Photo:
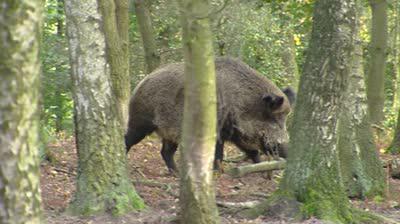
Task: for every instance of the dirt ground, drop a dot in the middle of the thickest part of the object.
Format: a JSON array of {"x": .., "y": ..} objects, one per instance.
[{"x": 160, "y": 190}]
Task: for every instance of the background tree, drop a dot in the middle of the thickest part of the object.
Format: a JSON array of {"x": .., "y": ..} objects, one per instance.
[
  {"x": 376, "y": 70},
  {"x": 199, "y": 120},
  {"x": 116, "y": 25},
  {"x": 143, "y": 19},
  {"x": 103, "y": 183},
  {"x": 395, "y": 145},
  {"x": 19, "y": 93},
  {"x": 361, "y": 169}
]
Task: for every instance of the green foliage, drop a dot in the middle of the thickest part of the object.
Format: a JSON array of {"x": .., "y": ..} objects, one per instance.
[{"x": 57, "y": 104}]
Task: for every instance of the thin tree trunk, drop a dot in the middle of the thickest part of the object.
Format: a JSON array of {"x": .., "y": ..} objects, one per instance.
[
  {"x": 146, "y": 31},
  {"x": 361, "y": 169},
  {"x": 115, "y": 25},
  {"x": 394, "y": 148},
  {"x": 20, "y": 24},
  {"x": 396, "y": 58},
  {"x": 289, "y": 59},
  {"x": 59, "y": 103},
  {"x": 197, "y": 199},
  {"x": 103, "y": 183},
  {"x": 376, "y": 73}
]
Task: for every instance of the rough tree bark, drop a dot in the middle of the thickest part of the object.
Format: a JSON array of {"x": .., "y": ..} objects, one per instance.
[
  {"x": 362, "y": 171},
  {"x": 376, "y": 72},
  {"x": 146, "y": 31},
  {"x": 197, "y": 199},
  {"x": 394, "y": 147},
  {"x": 311, "y": 185},
  {"x": 20, "y": 24},
  {"x": 103, "y": 184},
  {"x": 115, "y": 23}
]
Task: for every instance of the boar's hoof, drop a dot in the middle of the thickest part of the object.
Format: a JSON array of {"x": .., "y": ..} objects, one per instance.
[{"x": 218, "y": 166}]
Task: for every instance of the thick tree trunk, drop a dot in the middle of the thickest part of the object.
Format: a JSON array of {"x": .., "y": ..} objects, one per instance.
[
  {"x": 361, "y": 169},
  {"x": 102, "y": 183},
  {"x": 146, "y": 31},
  {"x": 395, "y": 146},
  {"x": 312, "y": 176},
  {"x": 197, "y": 199},
  {"x": 376, "y": 73},
  {"x": 20, "y": 24},
  {"x": 115, "y": 23}
]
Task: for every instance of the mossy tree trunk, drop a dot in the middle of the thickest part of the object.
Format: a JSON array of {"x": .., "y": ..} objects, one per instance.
[
  {"x": 103, "y": 183},
  {"x": 394, "y": 147},
  {"x": 143, "y": 17},
  {"x": 20, "y": 24},
  {"x": 376, "y": 71},
  {"x": 361, "y": 169},
  {"x": 312, "y": 176},
  {"x": 115, "y": 23},
  {"x": 197, "y": 197}
]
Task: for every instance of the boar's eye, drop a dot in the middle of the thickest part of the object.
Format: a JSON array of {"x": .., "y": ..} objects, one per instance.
[{"x": 272, "y": 101}]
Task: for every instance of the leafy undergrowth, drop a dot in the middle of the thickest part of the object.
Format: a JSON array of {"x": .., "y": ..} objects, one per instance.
[{"x": 160, "y": 190}]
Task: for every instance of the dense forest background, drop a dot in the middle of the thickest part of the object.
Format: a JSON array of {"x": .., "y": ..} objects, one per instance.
[{"x": 341, "y": 57}]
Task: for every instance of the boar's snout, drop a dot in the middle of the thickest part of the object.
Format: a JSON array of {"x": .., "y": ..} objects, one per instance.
[{"x": 276, "y": 149}]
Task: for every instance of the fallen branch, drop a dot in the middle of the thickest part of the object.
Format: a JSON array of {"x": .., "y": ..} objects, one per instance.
[
  {"x": 246, "y": 204},
  {"x": 258, "y": 167}
]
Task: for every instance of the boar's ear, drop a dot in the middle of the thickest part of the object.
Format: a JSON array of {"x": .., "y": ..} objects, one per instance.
[
  {"x": 291, "y": 95},
  {"x": 272, "y": 101}
]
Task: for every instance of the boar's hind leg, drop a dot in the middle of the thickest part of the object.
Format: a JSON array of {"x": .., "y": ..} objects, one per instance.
[
  {"x": 167, "y": 152},
  {"x": 219, "y": 155}
]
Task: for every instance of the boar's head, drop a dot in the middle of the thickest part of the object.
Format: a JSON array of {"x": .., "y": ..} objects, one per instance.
[{"x": 263, "y": 125}]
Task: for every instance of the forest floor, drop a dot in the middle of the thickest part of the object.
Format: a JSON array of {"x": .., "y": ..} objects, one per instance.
[{"x": 160, "y": 190}]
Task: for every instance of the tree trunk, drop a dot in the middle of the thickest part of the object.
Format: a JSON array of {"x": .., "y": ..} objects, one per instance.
[
  {"x": 197, "y": 199},
  {"x": 361, "y": 169},
  {"x": 376, "y": 73},
  {"x": 20, "y": 25},
  {"x": 289, "y": 59},
  {"x": 312, "y": 176},
  {"x": 395, "y": 146},
  {"x": 115, "y": 24},
  {"x": 146, "y": 31},
  {"x": 59, "y": 103},
  {"x": 288, "y": 54},
  {"x": 396, "y": 58},
  {"x": 102, "y": 184}
]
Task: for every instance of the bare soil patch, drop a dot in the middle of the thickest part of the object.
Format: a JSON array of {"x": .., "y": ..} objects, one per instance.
[{"x": 160, "y": 190}]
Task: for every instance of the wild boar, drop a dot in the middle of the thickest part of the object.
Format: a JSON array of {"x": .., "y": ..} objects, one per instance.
[{"x": 251, "y": 110}]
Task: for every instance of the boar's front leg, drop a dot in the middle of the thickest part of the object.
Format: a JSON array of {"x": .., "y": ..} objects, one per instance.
[
  {"x": 167, "y": 152},
  {"x": 219, "y": 155},
  {"x": 254, "y": 155}
]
